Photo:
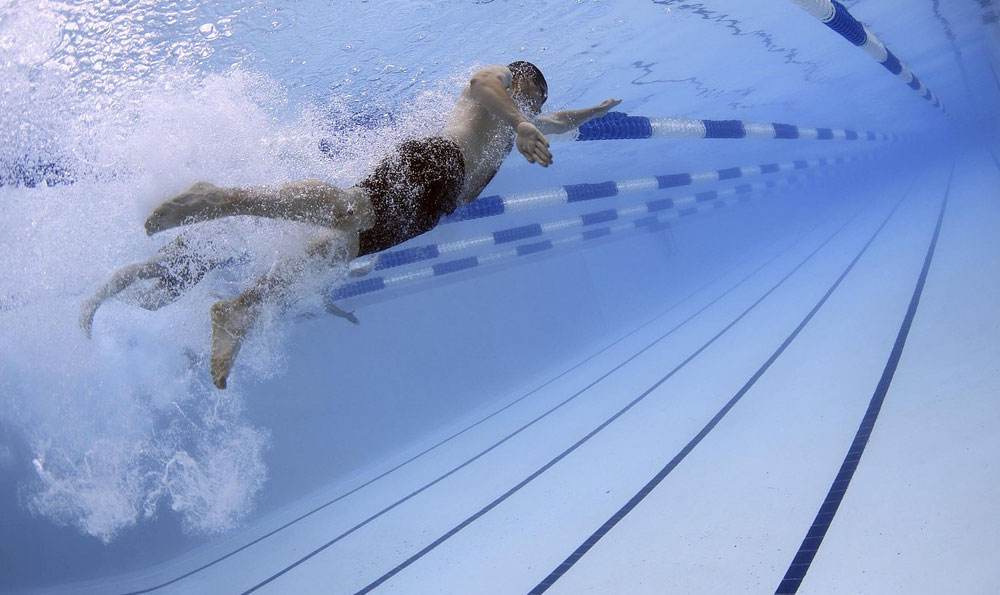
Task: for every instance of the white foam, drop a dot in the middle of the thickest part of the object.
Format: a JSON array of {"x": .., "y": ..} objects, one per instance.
[{"x": 127, "y": 425}]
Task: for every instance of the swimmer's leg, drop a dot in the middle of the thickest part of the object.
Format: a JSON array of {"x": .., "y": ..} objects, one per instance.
[
  {"x": 233, "y": 319},
  {"x": 308, "y": 201},
  {"x": 120, "y": 280},
  {"x": 155, "y": 297}
]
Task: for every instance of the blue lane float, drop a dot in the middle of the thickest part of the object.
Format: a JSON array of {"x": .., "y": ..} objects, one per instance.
[
  {"x": 404, "y": 256},
  {"x": 705, "y": 202},
  {"x": 836, "y": 16},
  {"x": 620, "y": 126},
  {"x": 492, "y": 206}
]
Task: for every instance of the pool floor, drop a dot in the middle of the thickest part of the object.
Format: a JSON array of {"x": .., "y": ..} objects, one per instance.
[{"x": 694, "y": 455}]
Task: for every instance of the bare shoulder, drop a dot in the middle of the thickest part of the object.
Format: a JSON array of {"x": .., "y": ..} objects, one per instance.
[{"x": 495, "y": 71}]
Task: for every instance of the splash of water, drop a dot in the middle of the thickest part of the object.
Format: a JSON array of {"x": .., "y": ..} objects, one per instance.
[{"x": 127, "y": 425}]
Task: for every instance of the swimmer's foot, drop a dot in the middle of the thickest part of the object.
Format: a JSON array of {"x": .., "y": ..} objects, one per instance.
[
  {"x": 200, "y": 202},
  {"x": 87, "y": 311},
  {"x": 231, "y": 321}
]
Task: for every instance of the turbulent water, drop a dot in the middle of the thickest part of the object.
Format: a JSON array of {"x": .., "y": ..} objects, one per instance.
[{"x": 127, "y": 423}]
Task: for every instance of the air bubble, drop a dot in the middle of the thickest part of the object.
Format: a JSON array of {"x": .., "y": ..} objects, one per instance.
[{"x": 209, "y": 31}]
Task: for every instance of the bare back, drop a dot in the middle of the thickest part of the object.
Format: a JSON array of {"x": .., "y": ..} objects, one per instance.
[{"x": 484, "y": 139}]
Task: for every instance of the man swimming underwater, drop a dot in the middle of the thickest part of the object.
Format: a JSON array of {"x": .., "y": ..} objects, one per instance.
[{"x": 410, "y": 190}]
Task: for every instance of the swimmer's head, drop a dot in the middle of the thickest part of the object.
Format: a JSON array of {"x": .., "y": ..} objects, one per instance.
[{"x": 528, "y": 86}]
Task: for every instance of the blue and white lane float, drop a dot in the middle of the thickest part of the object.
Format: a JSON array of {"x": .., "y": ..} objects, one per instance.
[
  {"x": 618, "y": 125},
  {"x": 650, "y": 222},
  {"x": 491, "y": 206},
  {"x": 835, "y": 15},
  {"x": 404, "y": 256},
  {"x": 396, "y": 258}
]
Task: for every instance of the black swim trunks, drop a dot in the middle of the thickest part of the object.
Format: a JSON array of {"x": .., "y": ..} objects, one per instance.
[
  {"x": 410, "y": 190},
  {"x": 183, "y": 271}
]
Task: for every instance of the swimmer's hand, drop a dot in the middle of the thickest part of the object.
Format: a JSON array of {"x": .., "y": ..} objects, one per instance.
[
  {"x": 606, "y": 106},
  {"x": 566, "y": 120},
  {"x": 533, "y": 144}
]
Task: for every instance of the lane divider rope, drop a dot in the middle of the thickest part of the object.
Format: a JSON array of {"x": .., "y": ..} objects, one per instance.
[
  {"x": 620, "y": 126},
  {"x": 495, "y": 205},
  {"x": 577, "y": 193},
  {"x": 655, "y": 222},
  {"x": 835, "y": 15}
]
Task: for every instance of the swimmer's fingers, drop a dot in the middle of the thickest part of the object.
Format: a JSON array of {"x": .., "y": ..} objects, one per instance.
[
  {"x": 539, "y": 155},
  {"x": 533, "y": 145},
  {"x": 540, "y": 152},
  {"x": 606, "y": 106}
]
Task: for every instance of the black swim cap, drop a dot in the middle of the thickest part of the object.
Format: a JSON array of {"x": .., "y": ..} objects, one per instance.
[{"x": 522, "y": 68}]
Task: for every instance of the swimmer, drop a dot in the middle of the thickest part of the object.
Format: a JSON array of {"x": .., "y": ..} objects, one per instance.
[
  {"x": 406, "y": 195},
  {"x": 176, "y": 267}
]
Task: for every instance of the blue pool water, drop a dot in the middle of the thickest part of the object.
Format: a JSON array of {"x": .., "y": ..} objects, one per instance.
[{"x": 123, "y": 470}]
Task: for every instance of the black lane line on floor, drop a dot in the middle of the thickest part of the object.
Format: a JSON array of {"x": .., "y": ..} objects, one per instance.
[
  {"x": 680, "y": 456},
  {"x": 591, "y": 385},
  {"x": 553, "y": 409},
  {"x": 604, "y": 424},
  {"x": 481, "y": 421},
  {"x": 814, "y": 537},
  {"x": 488, "y": 417}
]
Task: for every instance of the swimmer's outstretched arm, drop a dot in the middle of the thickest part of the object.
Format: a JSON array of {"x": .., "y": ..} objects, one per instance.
[
  {"x": 122, "y": 278},
  {"x": 488, "y": 87},
  {"x": 564, "y": 121}
]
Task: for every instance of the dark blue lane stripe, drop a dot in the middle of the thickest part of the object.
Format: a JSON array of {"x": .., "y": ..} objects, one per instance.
[
  {"x": 395, "y": 258},
  {"x": 453, "y": 266},
  {"x": 680, "y": 456},
  {"x": 525, "y": 249},
  {"x": 408, "y": 497},
  {"x": 814, "y": 537},
  {"x": 483, "y": 420},
  {"x": 516, "y": 234},
  {"x": 593, "y": 234},
  {"x": 785, "y": 130},
  {"x": 607, "y": 422},
  {"x": 582, "y": 192},
  {"x": 844, "y": 23}
]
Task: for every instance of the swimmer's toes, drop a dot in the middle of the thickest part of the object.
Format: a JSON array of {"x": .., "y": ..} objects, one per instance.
[
  {"x": 154, "y": 223},
  {"x": 219, "y": 377},
  {"x": 197, "y": 203},
  {"x": 230, "y": 324},
  {"x": 167, "y": 215}
]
